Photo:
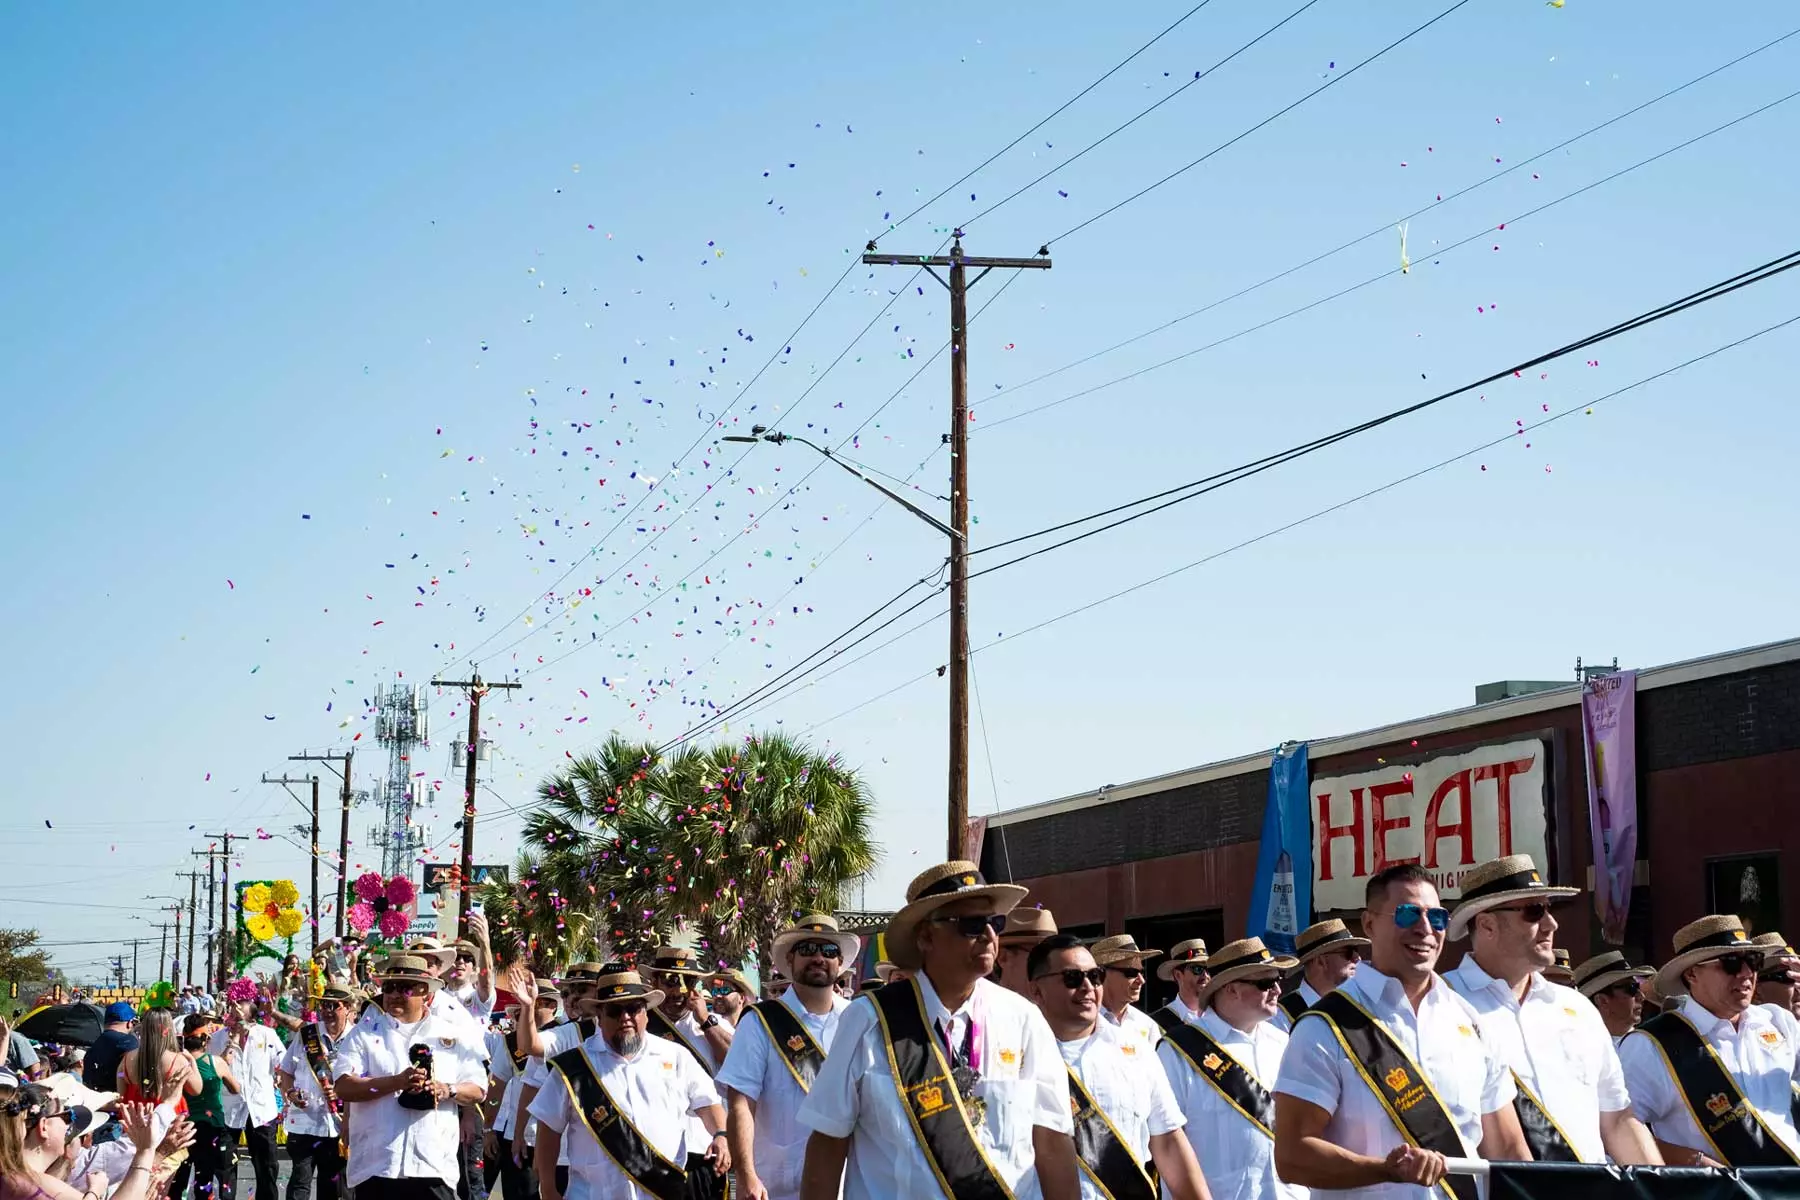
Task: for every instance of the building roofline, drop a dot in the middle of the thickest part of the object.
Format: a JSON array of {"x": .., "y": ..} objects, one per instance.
[{"x": 1668, "y": 675}]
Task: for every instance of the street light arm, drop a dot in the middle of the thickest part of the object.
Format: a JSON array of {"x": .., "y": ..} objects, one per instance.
[{"x": 890, "y": 493}]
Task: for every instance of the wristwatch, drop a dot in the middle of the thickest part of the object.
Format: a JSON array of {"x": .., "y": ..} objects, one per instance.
[{"x": 711, "y": 1020}]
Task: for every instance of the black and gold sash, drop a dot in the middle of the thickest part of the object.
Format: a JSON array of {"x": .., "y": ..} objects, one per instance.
[
  {"x": 662, "y": 1027},
  {"x": 1728, "y": 1121},
  {"x": 799, "y": 1052},
  {"x": 1545, "y": 1137},
  {"x": 1242, "y": 1090},
  {"x": 1293, "y": 1004},
  {"x": 622, "y": 1140},
  {"x": 1105, "y": 1157},
  {"x": 929, "y": 1096},
  {"x": 1403, "y": 1088}
]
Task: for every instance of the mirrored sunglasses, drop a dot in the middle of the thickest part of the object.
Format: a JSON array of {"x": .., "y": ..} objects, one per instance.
[
  {"x": 1408, "y": 915},
  {"x": 817, "y": 949}
]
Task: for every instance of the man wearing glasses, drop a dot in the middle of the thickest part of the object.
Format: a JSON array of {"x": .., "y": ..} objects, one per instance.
[
  {"x": 684, "y": 1020},
  {"x": 1352, "y": 1105},
  {"x": 508, "y": 1057},
  {"x": 1328, "y": 954},
  {"x": 946, "y": 1084},
  {"x": 1571, "y": 1099},
  {"x": 543, "y": 1040},
  {"x": 1221, "y": 1064},
  {"x": 470, "y": 976},
  {"x": 404, "y": 1137},
  {"x": 1775, "y": 983},
  {"x": 776, "y": 1054},
  {"x": 1124, "y": 963},
  {"x": 621, "y": 1100},
  {"x": 311, "y": 1120},
  {"x": 1616, "y": 990},
  {"x": 1713, "y": 1077},
  {"x": 1125, "y": 1115}
]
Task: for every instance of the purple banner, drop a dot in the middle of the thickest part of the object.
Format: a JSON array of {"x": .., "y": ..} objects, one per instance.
[{"x": 1609, "y": 731}]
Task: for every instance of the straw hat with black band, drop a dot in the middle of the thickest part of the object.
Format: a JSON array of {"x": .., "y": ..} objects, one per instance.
[
  {"x": 1120, "y": 950},
  {"x": 1026, "y": 926},
  {"x": 342, "y": 993},
  {"x": 582, "y": 972},
  {"x": 1701, "y": 941},
  {"x": 815, "y": 927},
  {"x": 1185, "y": 954},
  {"x": 1498, "y": 882},
  {"x": 1774, "y": 945},
  {"x": 934, "y": 888},
  {"x": 1604, "y": 970},
  {"x": 679, "y": 960},
  {"x": 1240, "y": 960},
  {"x": 1561, "y": 970},
  {"x": 431, "y": 948},
  {"x": 407, "y": 968},
  {"x": 1326, "y": 937},
  {"x": 621, "y": 984}
]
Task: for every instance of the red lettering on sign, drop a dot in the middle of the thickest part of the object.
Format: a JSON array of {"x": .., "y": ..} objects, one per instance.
[
  {"x": 1354, "y": 831},
  {"x": 1501, "y": 774},
  {"x": 1378, "y": 797},
  {"x": 1437, "y": 829}
]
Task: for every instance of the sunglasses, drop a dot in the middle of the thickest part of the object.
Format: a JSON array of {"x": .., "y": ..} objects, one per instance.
[
  {"x": 820, "y": 949},
  {"x": 1271, "y": 984},
  {"x": 1774, "y": 975},
  {"x": 620, "y": 1011},
  {"x": 1531, "y": 913},
  {"x": 1630, "y": 987},
  {"x": 466, "y": 958},
  {"x": 67, "y": 1114},
  {"x": 401, "y": 988},
  {"x": 1129, "y": 972},
  {"x": 973, "y": 927},
  {"x": 1407, "y": 915},
  {"x": 1073, "y": 977},
  {"x": 1197, "y": 970},
  {"x": 1733, "y": 964},
  {"x": 332, "y": 1004}
]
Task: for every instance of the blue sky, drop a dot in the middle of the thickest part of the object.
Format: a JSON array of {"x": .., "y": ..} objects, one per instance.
[{"x": 286, "y": 291}]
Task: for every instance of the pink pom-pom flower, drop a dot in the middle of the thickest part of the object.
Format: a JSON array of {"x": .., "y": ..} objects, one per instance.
[
  {"x": 400, "y": 891},
  {"x": 368, "y": 886},
  {"x": 241, "y": 990},
  {"x": 393, "y": 924},
  {"x": 361, "y": 916}
]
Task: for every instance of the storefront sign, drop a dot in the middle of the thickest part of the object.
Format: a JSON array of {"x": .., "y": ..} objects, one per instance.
[{"x": 1445, "y": 813}]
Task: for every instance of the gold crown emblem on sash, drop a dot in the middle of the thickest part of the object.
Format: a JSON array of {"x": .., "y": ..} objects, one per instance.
[
  {"x": 930, "y": 1100},
  {"x": 1717, "y": 1104},
  {"x": 1212, "y": 1062},
  {"x": 1397, "y": 1079},
  {"x": 796, "y": 1043},
  {"x": 599, "y": 1116}
]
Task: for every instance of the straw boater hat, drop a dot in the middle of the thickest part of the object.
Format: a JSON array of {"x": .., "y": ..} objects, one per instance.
[
  {"x": 738, "y": 980},
  {"x": 1239, "y": 960},
  {"x": 1120, "y": 950},
  {"x": 1501, "y": 881},
  {"x": 1603, "y": 970},
  {"x": 1185, "y": 954},
  {"x": 816, "y": 927},
  {"x": 1326, "y": 937},
  {"x": 1561, "y": 971},
  {"x": 339, "y": 991},
  {"x": 409, "y": 968},
  {"x": 622, "y": 983},
  {"x": 678, "y": 960},
  {"x": 931, "y": 890},
  {"x": 1774, "y": 945},
  {"x": 1698, "y": 942},
  {"x": 430, "y": 947},
  {"x": 1026, "y": 926},
  {"x": 580, "y": 972}
]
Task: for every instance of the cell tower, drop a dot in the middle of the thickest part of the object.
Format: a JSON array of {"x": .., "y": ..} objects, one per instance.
[{"x": 403, "y": 725}]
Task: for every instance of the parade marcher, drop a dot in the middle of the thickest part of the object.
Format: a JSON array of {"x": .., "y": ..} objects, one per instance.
[
  {"x": 1388, "y": 1077},
  {"x": 470, "y": 975},
  {"x": 253, "y": 1051},
  {"x": 732, "y": 996},
  {"x": 1775, "y": 983},
  {"x": 546, "y": 1041},
  {"x": 1124, "y": 963},
  {"x": 313, "y": 1118},
  {"x": 1561, "y": 969},
  {"x": 846, "y": 983},
  {"x": 1571, "y": 1098},
  {"x": 775, "y": 1056},
  {"x": 1025, "y": 928},
  {"x": 1222, "y": 1051},
  {"x": 1124, "y": 1113},
  {"x": 1616, "y": 990},
  {"x": 405, "y": 1071},
  {"x": 1713, "y": 1078},
  {"x": 946, "y": 1084},
  {"x": 887, "y": 972},
  {"x": 1328, "y": 953},
  {"x": 1186, "y": 969},
  {"x": 683, "y": 1019},
  {"x": 623, "y": 1101},
  {"x": 508, "y": 1057}
]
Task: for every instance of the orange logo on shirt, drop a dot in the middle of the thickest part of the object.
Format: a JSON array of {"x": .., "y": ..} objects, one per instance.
[
  {"x": 1009, "y": 1057},
  {"x": 1771, "y": 1038},
  {"x": 1128, "y": 1050},
  {"x": 1397, "y": 1079}
]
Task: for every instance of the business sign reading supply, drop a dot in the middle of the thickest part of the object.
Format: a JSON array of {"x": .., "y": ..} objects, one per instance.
[{"x": 1446, "y": 813}]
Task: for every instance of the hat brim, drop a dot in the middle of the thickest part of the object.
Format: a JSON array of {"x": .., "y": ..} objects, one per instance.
[
  {"x": 1118, "y": 957},
  {"x": 435, "y": 985},
  {"x": 446, "y": 958},
  {"x": 652, "y": 998},
  {"x": 694, "y": 972},
  {"x": 1468, "y": 910},
  {"x": 1605, "y": 979},
  {"x": 903, "y": 931},
  {"x": 1668, "y": 976},
  {"x": 849, "y": 945},
  {"x": 1327, "y": 947},
  {"x": 1278, "y": 964}
]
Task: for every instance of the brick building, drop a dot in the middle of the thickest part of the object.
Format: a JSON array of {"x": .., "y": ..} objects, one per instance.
[{"x": 1718, "y": 750}]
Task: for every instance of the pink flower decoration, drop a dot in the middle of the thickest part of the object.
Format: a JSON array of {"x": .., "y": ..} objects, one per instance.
[
  {"x": 241, "y": 989},
  {"x": 361, "y": 916},
  {"x": 400, "y": 891},
  {"x": 368, "y": 886},
  {"x": 393, "y": 924}
]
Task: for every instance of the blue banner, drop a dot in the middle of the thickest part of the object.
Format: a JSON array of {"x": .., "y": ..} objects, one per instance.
[{"x": 1281, "y": 900}]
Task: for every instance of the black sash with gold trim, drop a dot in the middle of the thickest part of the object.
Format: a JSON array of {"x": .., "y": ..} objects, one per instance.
[
  {"x": 1542, "y": 1133},
  {"x": 1729, "y": 1122},
  {"x": 621, "y": 1139},
  {"x": 1242, "y": 1090},
  {"x": 1104, "y": 1156},
  {"x": 1293, "y": 1004},
  {"x": 662, "y": 1027},
  {"x": 929, "y": 1096},
  {"x": 1403, "y": 1088},
  {"x": 796, "y": 1046}
]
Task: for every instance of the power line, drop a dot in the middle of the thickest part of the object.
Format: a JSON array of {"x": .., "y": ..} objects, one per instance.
[
  {"x": 1479, "y": 235},
  {"x": 1386, "y": 227}
]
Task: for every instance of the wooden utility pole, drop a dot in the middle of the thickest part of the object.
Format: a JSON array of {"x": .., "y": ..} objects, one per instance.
[
  {"x": 225, "y": 945},
  {"x": 193, "y": 878},
  {"x": 958, "y": 285},
  {"x": 313, "y": 853},
  {"x": 477, "y": 688},
  {"x": 212, "y": 897},
  {"x": 343, "y": 838}
]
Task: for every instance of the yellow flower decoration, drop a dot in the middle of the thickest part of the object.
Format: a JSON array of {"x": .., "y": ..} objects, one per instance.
[
  {"x": 257, "y": 897},
  {"x": 284, "y": 893},
  {"x": 260, "y": 927},
  {"x": 289, "y": 921},
  {"x": 272, "y": 910}
]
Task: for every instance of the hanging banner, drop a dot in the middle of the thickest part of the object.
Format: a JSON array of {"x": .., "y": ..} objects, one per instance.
[
  {"x": 1445, "y": 813},
  {"x": 1281, "y": 898},
  {"x": 1597, "y": 1181},
  {"x": 974, "y": 833},
  {"x": 1609, "y": 732}
]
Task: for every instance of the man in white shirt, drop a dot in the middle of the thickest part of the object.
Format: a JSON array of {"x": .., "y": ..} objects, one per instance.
[
  {"x": 546, "y": 1040},
  {"x": 1124, "y": 963},
  {"x": 438, "y": 959},
  {"x": 312, "y": 1129},
  {"x": 1124, "y": 1113},
  {"x": 685, "y": 1020},
  {"x": 1616, "y": 990},
  {"x": 508, "y": 1057},
  {"x": 253, "y": 1108},
  {"x": 622, "y": 1101},
  {"x": 470, "y": 975},
  {"x": 1222, "y": 1065},
  {"x": 1714, "y": 1077},
  {"x": 1328, "y": 953},
  {"x": 404, "y": 1135},
  {"x": 982, "y": 1098},
  {"x": 1777, "y": 982},
  {"x": 776, "y": 1054},
  {"x": 1026, "y": 926},
  {"x": 1332, "y": 1128},
  {"x": 1571, "y": 1099}
]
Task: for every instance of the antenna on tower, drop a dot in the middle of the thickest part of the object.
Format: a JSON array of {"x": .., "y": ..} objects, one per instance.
[{"x": 403, "y": 725}]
